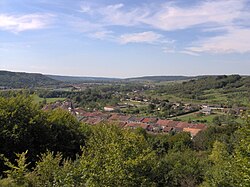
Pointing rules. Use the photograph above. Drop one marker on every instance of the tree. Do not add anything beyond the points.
(67, 137)
(181, 169)
(22, 127)
(241, 161)
(17, 173)
(218, 174)
(116, 157)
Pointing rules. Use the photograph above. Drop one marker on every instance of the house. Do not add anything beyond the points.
(92, 114)
(119, 117)
(155, 128)
(167, 123)
(149, 120)
(206, 110)
(137, 125)
(80, 112)
(109, 108)
(162, 122)
(183, 125)
(144, 126)
(135, 119)
(131, 125)
(167, 129)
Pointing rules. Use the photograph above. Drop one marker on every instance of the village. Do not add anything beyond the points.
(150, 124)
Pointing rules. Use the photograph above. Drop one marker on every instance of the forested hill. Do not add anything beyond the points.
(159, 78)
(202, 83)
(76, 79)
(215, 82)
(24, 80)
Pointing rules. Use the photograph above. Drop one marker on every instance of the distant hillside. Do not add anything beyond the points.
(202, 83)
(23, 80)
(81, 79)
(102, 79)
(159, 78)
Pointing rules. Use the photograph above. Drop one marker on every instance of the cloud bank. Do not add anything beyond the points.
(214, 26)
(19, 23)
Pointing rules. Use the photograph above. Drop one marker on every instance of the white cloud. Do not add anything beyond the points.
(16, 23)
(102, 35)
(211, 16)
(235, 40)
(143, 37)
(219, 12)
(115, 15)
(168, 50)
(168, 16)
(189, 53)
(85, 9)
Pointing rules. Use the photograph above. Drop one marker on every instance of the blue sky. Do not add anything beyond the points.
(125, 38)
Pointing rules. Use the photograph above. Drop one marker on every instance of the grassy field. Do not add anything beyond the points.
(212, 97)
(38, 99)
(194, 117)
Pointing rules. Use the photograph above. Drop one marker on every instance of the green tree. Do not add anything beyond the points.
(116, 157)
(218, 174)
(22, 127)
(67, 136)
(17, 174)
(181, 169)
(241, 158)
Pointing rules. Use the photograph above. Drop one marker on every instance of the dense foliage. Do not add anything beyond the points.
(24, 80)
(53, 149)
(25, 127)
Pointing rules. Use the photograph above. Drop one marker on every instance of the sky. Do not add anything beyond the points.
(125, 38)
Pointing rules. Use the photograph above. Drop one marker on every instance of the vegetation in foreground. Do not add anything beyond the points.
(53, 149)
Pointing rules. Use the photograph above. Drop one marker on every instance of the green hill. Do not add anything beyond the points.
(159, 78)
(222, 90)
(24, 80)
(77, 79)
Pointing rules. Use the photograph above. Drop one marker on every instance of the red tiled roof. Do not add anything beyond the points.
(149, 120)
(167, 129)
(172, 123)
(168, 123)
(162, 122)
(114, 117)
(143, 125)
(124, 117)
(184, 125)
(119, 117)
(135, 119)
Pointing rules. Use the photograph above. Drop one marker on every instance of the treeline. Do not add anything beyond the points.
(24, 80)
(53, 149)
